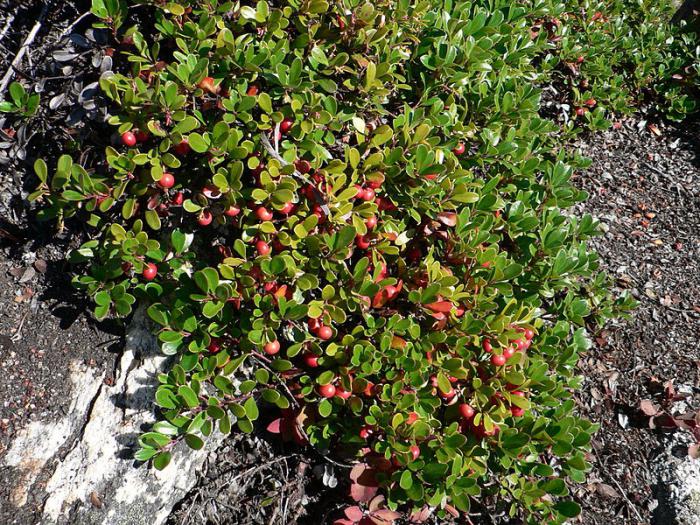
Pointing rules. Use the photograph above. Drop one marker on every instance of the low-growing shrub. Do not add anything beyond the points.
(347, 219)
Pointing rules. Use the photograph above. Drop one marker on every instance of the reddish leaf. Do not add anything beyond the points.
(448, 218)
(384, 516)
(422, 515)
(275, 426)
(354, 513)
(648, 407)
(440, 306)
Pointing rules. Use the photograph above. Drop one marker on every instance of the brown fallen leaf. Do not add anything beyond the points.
(95, 500)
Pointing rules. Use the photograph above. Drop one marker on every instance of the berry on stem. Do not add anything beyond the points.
(272, 347)
(150, 272)
(498, 360)
(327, 391)
(325, 332)
(166, 181)
(129, 139)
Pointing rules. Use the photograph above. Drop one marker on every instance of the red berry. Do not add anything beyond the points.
(263, 213)
(141, 136)
(303, 166)
(371, 222)
(288, 208)
(580, 112)
(498, 360)
(342, 393)
(360, 195)
(591, 102)
(412, 418)
(311, 360)
(368, 194)
(272, 347)
(178, 199)
(214, 346)
(529, 334)
(519, 343)
(286, 125)
(518, 393)
(362, 242)
(466, 411)
(325, 332)
(517, 411)
(459, 149)
(366, 432)
(430, 176)
(486, 345)
(129, 139)
(580, 59)
(150, 272)
(183, 148)
(415, 452)
(205, 218)
(314, 324)
(232, 211)
(166, 181)
(252, 90)
(447, 395)
(262, 247)
(374, 184)
(509, 352)
(327, 391)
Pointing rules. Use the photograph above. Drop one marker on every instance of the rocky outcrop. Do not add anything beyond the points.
(83, 463)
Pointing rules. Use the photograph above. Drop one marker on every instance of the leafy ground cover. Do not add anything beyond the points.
(377, 234)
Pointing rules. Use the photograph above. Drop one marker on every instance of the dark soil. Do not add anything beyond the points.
(645, 189)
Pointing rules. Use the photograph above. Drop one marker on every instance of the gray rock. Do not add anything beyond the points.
(84, 461)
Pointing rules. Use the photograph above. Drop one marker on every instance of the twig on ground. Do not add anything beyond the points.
(23, 49)
(18, 332)
(8, 24)
(68, 29)
(619, 487)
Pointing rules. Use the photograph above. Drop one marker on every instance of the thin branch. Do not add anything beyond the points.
(8, 24)
(23, 50)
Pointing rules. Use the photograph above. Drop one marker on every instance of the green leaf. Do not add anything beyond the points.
(161, 460)
(406, 481)
(568, 509)
(188, 395)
